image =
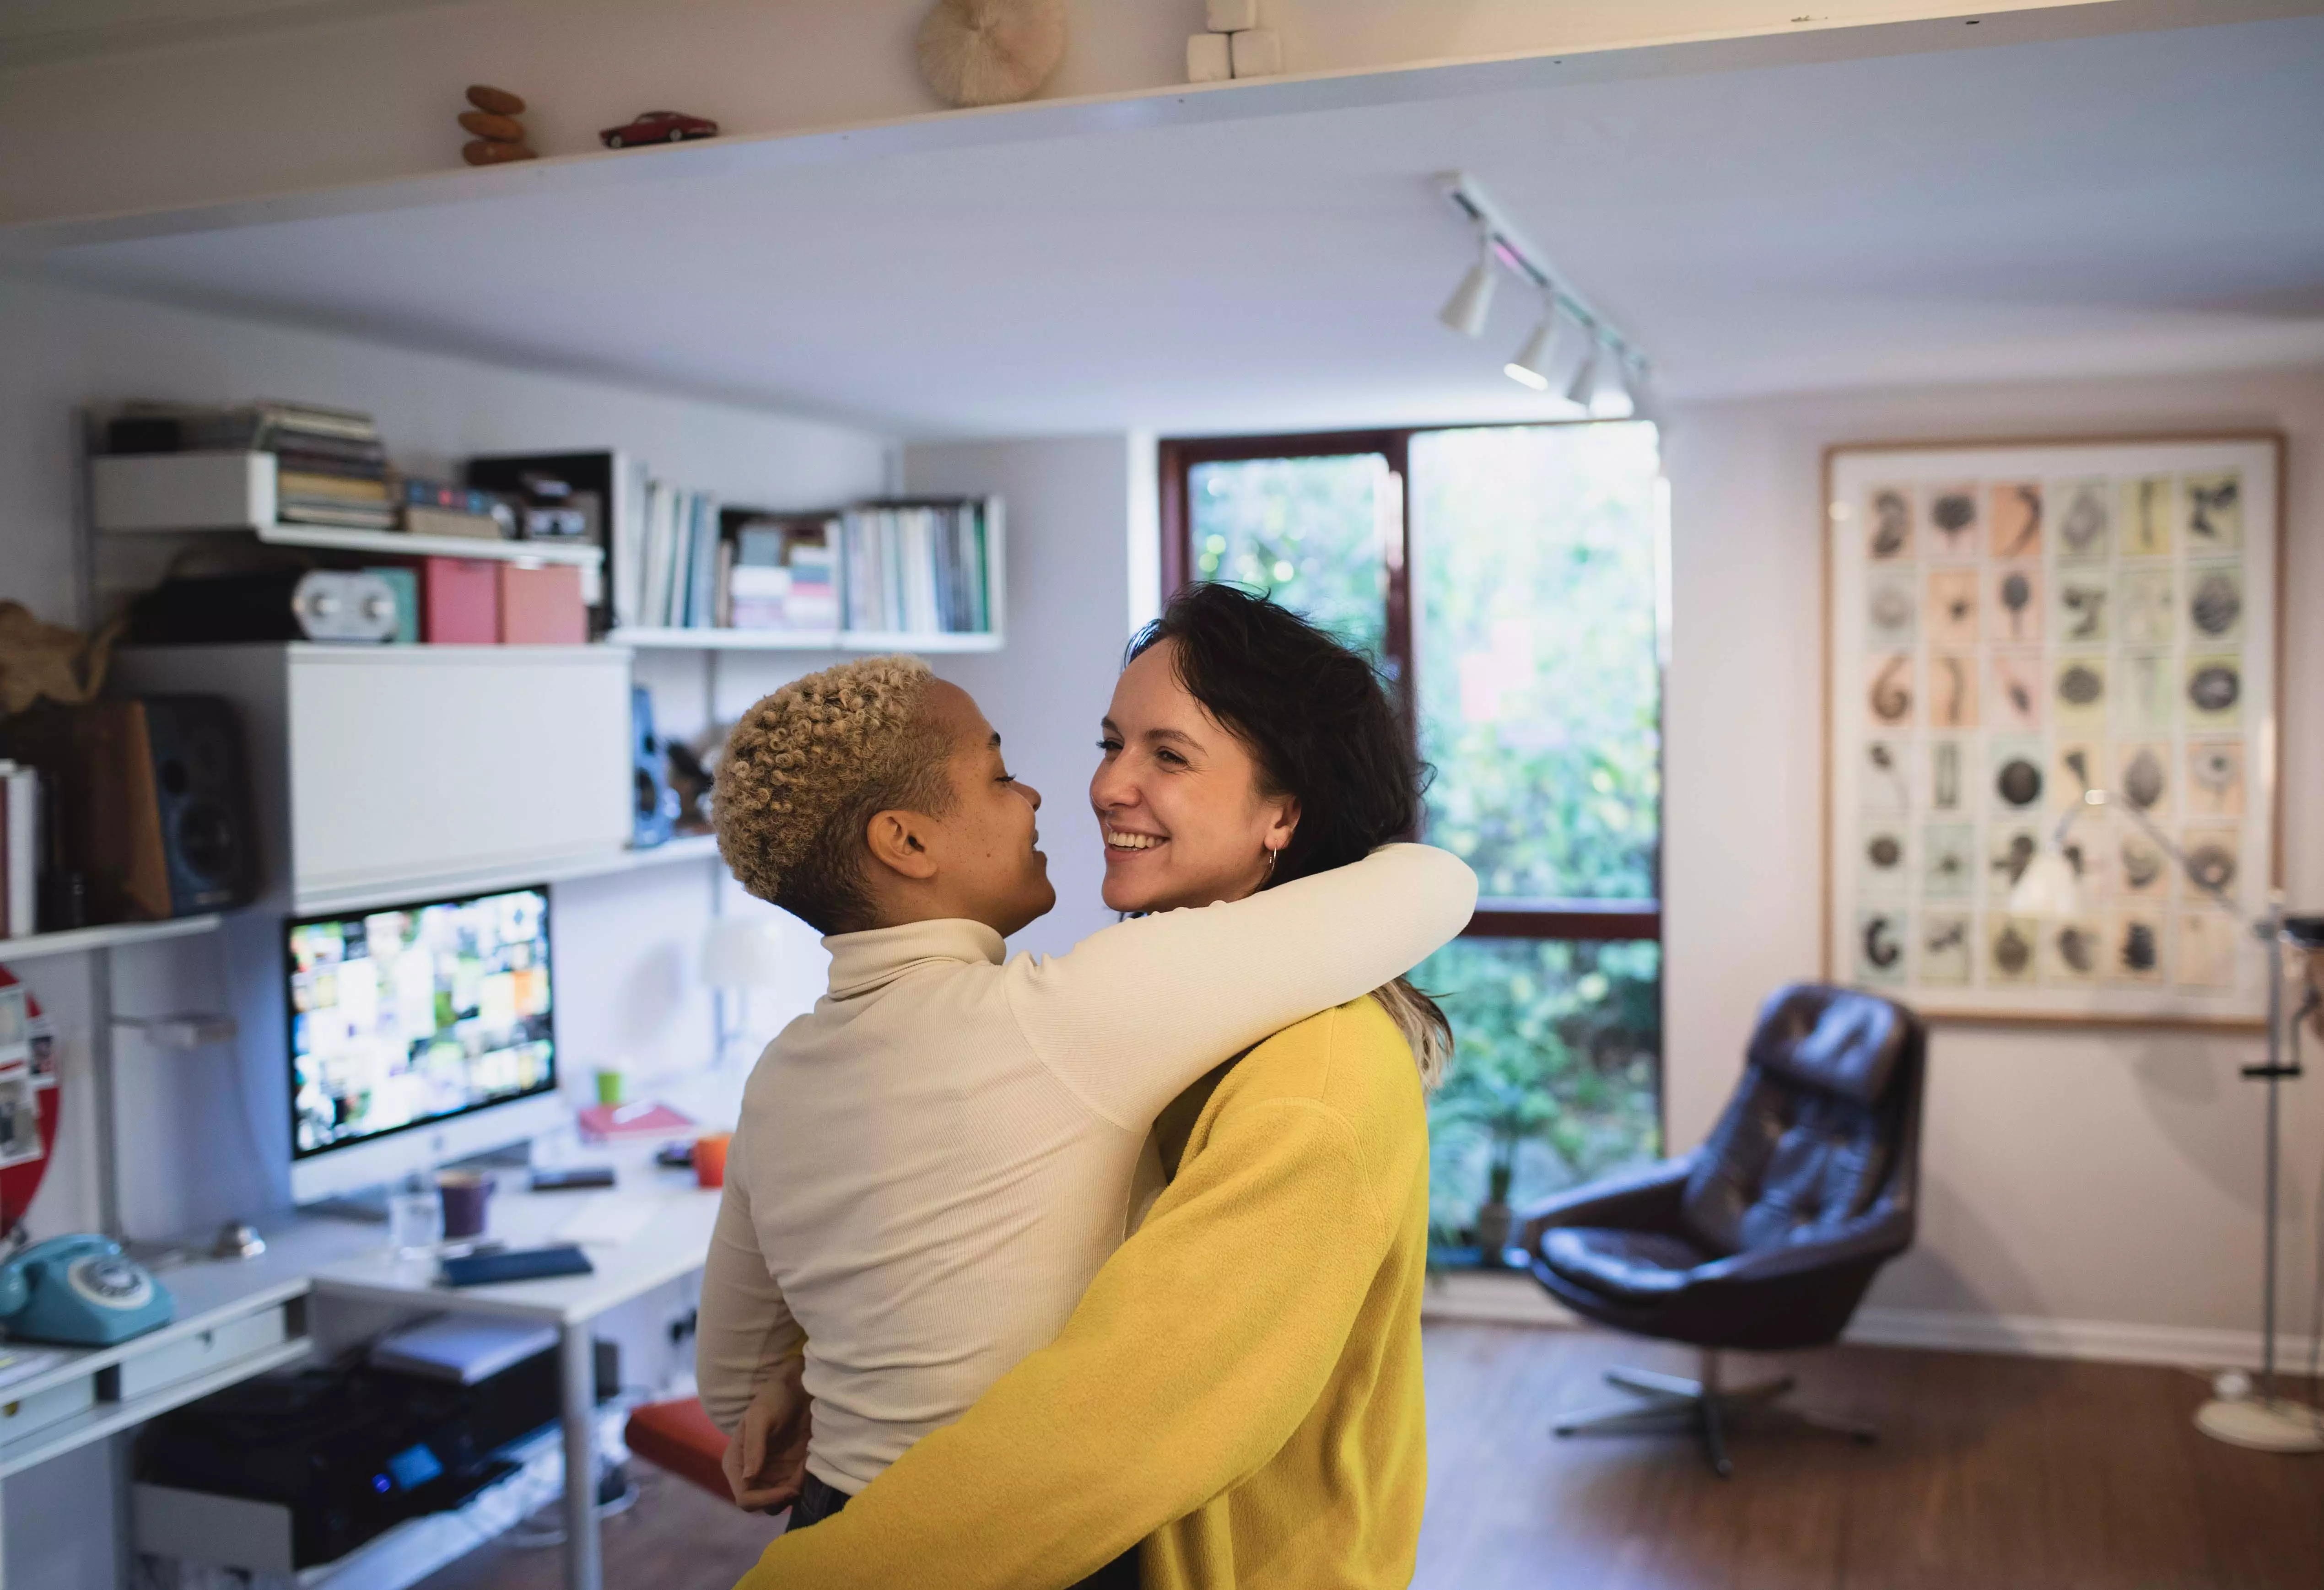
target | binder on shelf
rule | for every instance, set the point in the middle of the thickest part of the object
(921, 566)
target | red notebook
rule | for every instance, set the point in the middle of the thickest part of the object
(643, 1119)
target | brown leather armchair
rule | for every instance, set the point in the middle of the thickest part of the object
(1765, 1237)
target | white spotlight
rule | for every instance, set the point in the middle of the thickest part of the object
(1531, 366)
(1612, 399)
(1470, 301)
(1585, 376)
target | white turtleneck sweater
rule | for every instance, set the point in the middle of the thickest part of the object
(933, 1162)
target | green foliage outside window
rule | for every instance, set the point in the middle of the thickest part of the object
(1554, 1078)
(1535, 590)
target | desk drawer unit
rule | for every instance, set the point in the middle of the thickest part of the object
(20, 1416)
(202, 1351)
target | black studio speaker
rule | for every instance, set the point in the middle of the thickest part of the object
(654, 813)
(157, 819)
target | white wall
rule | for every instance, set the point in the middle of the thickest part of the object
(1076, 506)
(2095, 1191)
(205, 1132)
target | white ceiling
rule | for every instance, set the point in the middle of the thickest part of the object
(2149, 201)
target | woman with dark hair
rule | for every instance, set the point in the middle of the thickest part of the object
(1240, 1388)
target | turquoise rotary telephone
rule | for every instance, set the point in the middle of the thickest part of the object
(81, 1290)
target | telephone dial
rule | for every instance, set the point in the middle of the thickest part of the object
(82, 1290)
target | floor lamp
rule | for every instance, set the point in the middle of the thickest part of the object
(2050, 887)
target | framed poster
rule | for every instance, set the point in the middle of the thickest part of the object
(2008, 626)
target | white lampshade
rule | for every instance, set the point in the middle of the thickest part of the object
(1612, 400)
(1585, 384)
(740, 953)
(1472, 301)
(2047, 887)
(1531, 367)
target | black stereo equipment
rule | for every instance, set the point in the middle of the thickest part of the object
(350, 1451)
(154, 807)
(347, 606)
(655, 813)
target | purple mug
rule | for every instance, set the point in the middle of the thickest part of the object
(464, 1193)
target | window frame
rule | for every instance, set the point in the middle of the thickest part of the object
(1585, 919)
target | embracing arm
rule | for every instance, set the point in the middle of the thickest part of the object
(1135, 1013)
(1199, 1349)
(743, 1330)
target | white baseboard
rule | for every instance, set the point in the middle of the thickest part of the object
(2102, 1341)
(1486, 1297)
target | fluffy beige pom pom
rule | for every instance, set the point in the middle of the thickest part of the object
(991, 51)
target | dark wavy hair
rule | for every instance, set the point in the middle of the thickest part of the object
(1319, 721)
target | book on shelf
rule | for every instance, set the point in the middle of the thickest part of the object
(920, 566)
(20, 849)
(264, 426)
(302, 486)
(780, 574)
(436, 507)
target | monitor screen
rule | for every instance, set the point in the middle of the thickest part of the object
(411, 1014)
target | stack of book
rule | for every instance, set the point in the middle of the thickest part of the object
(917, 567)
(783, 572)
(330, 467)
(434, 507)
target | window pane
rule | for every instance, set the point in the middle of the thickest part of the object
(1554, 1067)
(1305, 531)
(1540, 692)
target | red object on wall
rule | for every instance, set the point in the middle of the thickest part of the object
(38, 1068)
(542, 606)
(460, 602)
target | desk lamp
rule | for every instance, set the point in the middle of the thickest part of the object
(738, 956)
(2050, 887)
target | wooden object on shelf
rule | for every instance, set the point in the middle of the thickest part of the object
(1209, 57)
(500, 129)
(1257, 52)
(485, 152)
(495, 101)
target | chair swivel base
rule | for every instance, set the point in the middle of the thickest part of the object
(1667, 1404)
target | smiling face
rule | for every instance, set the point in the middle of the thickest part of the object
(1179, 797)
(988, 845)
(980, 859)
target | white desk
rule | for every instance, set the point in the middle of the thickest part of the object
(671, 1244)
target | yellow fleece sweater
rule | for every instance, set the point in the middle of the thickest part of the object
(1240, 1388)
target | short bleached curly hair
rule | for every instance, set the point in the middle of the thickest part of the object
(808, 767)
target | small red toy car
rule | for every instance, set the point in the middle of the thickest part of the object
(659, 126)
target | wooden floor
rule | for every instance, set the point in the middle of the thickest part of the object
(1992, 1473)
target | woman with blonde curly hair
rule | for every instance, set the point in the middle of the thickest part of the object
(932, 1164)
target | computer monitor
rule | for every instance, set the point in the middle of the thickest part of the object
(418, 1033)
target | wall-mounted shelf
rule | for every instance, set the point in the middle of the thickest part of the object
(112, 935)
(690, 847)
(161, 494)
(824, 639)
(394, 543)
